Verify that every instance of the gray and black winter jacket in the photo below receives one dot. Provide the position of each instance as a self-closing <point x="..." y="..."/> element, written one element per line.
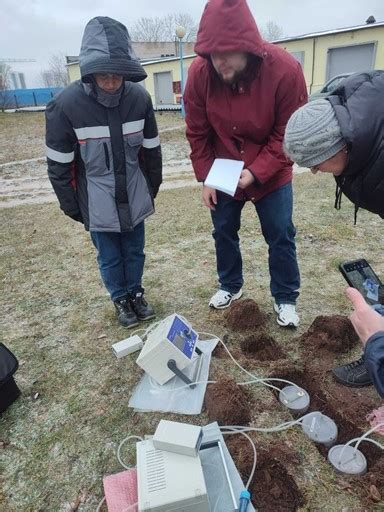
<point x="104" y="158"/>
<point x="359" y="108"/>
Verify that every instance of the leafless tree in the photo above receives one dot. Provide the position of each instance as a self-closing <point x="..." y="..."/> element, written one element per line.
<point x="157" y="29"/>
<point x="5" y="73"/>
<point x="171" y="21"/>
<point x="56" y="73"/>
<point x="271" y="31"/>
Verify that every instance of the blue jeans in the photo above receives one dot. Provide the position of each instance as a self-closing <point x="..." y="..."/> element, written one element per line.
<point x="121" y="260"/>
<point x="275" y="215"/>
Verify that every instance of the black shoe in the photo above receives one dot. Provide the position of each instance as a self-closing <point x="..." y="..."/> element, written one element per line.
<point x="141" y="307"/>
<point x="354" y="374"/>
<point x="125" y="313"/>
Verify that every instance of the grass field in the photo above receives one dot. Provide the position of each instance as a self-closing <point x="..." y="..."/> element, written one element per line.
<point x="60" y="438"/>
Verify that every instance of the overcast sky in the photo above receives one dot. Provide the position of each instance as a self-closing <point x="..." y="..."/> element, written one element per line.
<point x="38" y="28"/>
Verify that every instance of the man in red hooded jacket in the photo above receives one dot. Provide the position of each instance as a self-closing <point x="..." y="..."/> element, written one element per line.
<point x="240" y="93"/>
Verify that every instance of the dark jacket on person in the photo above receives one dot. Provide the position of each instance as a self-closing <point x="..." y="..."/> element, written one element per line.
<point x="245" y="121"/>
<point x="374" y="360"/>
<point x="359" y="108"/>
<point x="103" y="150"/>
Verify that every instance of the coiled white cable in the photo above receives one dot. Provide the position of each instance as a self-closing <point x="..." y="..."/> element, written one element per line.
<point x="121" y="445"/>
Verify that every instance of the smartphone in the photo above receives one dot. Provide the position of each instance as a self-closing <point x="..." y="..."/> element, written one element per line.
<point x="360" y="275"/>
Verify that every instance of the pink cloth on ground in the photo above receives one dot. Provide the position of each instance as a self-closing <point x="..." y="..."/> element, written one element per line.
<point x="121" y="491"/>
<point x="375" y="418"/>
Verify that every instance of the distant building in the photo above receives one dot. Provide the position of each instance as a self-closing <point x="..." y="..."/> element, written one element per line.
<point x="326" y="54"/>
<point x="19" y="73"/>
<point x="321" y="54"/>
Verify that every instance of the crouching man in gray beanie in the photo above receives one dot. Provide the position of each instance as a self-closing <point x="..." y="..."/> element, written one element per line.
<point x="343" y="135"/>
<point x="104" y="160"/>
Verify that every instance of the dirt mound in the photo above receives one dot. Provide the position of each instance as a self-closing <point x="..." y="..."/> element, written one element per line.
<point x="330" y="333"/>
<point x="262" y="347"/>
<point x="243" y="315"/>
<point x="273" y="488"/>
<point x="227" y="403"/>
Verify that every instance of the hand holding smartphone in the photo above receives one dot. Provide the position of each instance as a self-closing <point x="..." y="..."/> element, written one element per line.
<point x="360" y="275"/>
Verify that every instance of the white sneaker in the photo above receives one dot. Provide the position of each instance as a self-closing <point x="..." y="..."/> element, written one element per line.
<point x="286" y="315"/>
<point x="223" y="299"/>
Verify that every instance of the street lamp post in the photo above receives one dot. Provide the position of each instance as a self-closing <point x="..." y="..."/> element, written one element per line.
<point x="180" y="33"/>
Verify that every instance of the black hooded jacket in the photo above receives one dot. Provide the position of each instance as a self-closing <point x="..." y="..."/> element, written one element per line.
<point x="359" y="108"/>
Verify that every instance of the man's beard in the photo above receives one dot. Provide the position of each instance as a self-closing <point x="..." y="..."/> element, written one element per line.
<point x="238" y="75"/>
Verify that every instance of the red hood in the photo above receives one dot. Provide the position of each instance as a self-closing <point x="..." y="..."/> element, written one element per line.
<point x="228" y="25"/>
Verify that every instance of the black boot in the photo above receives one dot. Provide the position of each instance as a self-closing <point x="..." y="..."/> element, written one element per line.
<point x="353" y="374"/>
<point x="141" y="307"/>
<point x="125" y="314"/>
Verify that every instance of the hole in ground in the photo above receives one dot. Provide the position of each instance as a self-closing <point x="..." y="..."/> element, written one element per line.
<point x="273" y="488"/>
<point x="244" y="314"/>
<point x="347" y="430"/>
<point x="261" y="347"/>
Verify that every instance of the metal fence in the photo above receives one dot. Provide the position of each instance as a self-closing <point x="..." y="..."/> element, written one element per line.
<point x="18" y="98"/>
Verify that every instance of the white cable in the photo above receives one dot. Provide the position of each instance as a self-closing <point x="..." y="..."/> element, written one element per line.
<point x="100" y="504"/>
<point x="278" y="428"/>
<point x="368" y="439"/>
<point x="369" y="432"/>
<point x="121" y="445"/>
<point x="361" y="439"/>
<point x="263" y="381"/>
<point x="124" y="466"/>
<point x="234" y="431"/>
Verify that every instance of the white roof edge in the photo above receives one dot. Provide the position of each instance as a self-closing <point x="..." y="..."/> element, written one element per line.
<point x="330" y="32"/>
<point x="167" y="59"/>
<point x="145" y="62"/>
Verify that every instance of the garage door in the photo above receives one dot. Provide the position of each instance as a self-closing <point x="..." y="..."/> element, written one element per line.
<point x="350" y="59"/>
<point x="163" y="88"/>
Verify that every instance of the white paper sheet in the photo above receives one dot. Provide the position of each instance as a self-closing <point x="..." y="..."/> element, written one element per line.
<point x="224" y="175"/>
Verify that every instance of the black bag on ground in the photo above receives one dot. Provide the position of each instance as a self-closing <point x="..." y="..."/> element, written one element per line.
<point x="8" y="387"/>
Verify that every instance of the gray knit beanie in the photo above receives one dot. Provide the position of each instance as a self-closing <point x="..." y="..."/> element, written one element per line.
<point x="313" y="134"/>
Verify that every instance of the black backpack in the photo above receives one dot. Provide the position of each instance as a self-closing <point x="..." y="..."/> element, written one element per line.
<point x="9" y="391"/>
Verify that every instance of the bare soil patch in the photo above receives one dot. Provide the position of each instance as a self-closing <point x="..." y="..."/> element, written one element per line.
<point x="227" y="403"/>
